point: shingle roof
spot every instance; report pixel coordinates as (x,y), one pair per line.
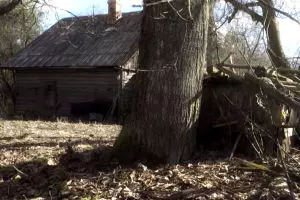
(86,41)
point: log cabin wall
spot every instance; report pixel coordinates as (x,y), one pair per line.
(126,85)
(47,81)
(52,92)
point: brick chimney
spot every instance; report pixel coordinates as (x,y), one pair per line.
(114,11)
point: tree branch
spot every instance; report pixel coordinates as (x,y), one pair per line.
(243,7)
(158,2)
(272,92)
(281,12)
(268,20)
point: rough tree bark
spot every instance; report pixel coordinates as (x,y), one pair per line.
(212,38)
(168,93)
(9,5)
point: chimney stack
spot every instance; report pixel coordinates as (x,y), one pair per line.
(114,11)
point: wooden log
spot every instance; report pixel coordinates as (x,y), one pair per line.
(271,91)
(280,72)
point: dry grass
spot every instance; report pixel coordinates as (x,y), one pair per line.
(22,141)
(34,164)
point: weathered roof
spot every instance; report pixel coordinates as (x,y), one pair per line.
(86,41)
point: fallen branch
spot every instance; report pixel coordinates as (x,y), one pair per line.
(287,176)
(279,70)
(225,124)
(185,193)
(235,145)
(19,171)
(271,91)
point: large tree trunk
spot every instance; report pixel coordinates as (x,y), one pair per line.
(169,85)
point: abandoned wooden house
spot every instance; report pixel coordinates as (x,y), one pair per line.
(77,66)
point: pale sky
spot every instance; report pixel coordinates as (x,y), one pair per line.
(289,31)
(81,7)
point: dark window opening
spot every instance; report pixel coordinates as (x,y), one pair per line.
(50,95)
(85,109)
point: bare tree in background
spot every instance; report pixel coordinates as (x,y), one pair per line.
(267,17)
(19,26)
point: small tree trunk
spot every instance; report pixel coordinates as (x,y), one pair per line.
(271,28)
(168,92)
(212,43)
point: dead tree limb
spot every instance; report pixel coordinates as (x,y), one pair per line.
(287,73)
(285,170)
(283,70)
(267,88)
(271,91)
(244,8)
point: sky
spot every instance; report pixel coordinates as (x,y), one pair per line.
(80,7)
(289,31)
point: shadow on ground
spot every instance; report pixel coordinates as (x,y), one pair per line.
(52,144)
(39,178)
(32,179)
(95,174)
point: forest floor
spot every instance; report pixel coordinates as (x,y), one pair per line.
(35,163)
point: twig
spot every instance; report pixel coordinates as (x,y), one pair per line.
(184,193)
(287,176)
(20,171)
(256,146)
(57,8)
(189,9)
(235,145)
(243,7)
(252,165)
(177,12)
(158,2)
(225,124)
(151,196)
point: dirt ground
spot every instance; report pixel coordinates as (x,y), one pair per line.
(62,160)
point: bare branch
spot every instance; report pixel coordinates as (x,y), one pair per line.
(158,2)
(243,7)
(189,9)
(235,11)
(287,176)
(252,4)
(280,70)
(177,12)
(57,8)
(268,20)
(281,12)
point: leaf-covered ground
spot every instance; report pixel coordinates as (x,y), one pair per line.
(36,163)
